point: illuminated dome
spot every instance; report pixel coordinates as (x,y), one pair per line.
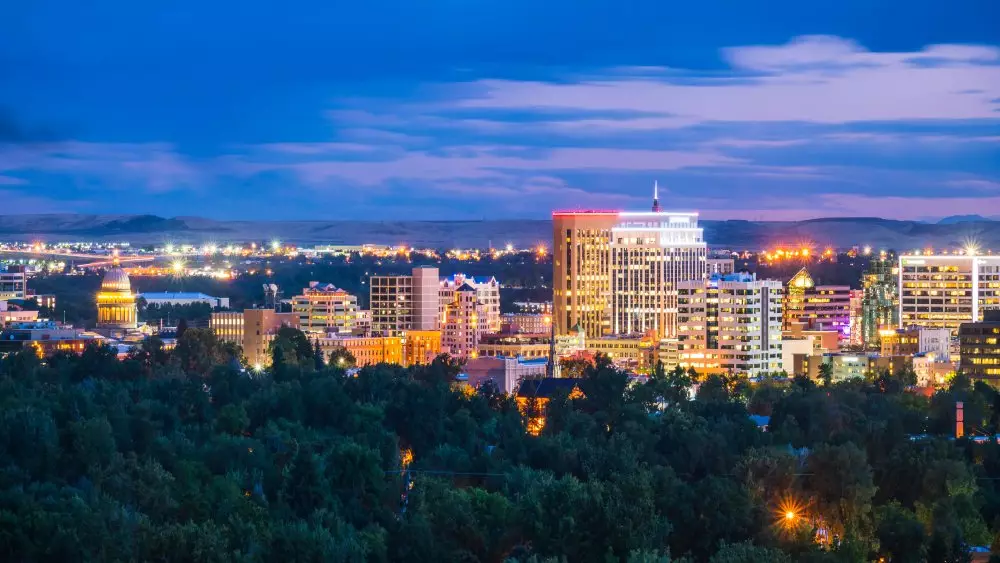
(116,280)
(116,309)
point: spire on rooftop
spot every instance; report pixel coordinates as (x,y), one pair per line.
(656,196)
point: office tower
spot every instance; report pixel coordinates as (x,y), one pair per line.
(945,291)
(581,262)
(463,323)
(650,253)
(880,300)
(487,292)
(323,308)
(721,266)
(614,272)
(13,283)
(730,323)
(404,302)
(817,307)
(979,347)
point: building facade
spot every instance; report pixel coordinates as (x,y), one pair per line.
(916,340)
(515,345)
(526,323)
(581,278)
(650,253)
(730,324)
(323,308)
(253,330)
(13,283)
(184,298)
(506,373)
(487,292)
(817,307)
(979,348)
(463,323)
(944,291)
(880,300)
(407,302)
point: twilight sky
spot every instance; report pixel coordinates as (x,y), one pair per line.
(470,109)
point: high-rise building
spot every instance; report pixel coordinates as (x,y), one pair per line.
(854,332)
(730,323)
(979,347)
(614,272)
(945,291)
(463,323)
(817,307)
(116,308)
(408,302)
(650,253)
(13,283)
(880,300)
(487,292)
(581,279)
(323,308)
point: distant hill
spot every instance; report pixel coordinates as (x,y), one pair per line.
(963,219)
(839,232)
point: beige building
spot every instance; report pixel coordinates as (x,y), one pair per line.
(487,292)
(463,323)
(944,291)
(323,308)
(407,302)
(253,330)
(581,279)
(637,353)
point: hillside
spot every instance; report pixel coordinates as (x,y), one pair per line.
(737,234)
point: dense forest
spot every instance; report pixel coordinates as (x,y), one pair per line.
(182,456)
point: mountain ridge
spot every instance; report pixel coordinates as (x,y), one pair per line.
(839,232)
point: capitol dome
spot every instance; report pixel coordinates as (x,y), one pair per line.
(116,280)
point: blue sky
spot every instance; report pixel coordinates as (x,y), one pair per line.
(471,109)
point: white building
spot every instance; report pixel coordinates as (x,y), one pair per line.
(324,308)
(943,291)
(730,323)
(184,299)
(463,323)
(651,252)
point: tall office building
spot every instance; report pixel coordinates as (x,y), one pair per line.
(487,292)
(581,279)
(614,272)
(253,329)
(880,300)
(407,302)
(650,253)
(944,291)
(730,323)
(817,307)
(323,308)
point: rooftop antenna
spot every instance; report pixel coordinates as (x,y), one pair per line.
(656,196)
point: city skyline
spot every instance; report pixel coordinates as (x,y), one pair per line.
(241,112)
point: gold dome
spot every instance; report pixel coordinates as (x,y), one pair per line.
(116,280)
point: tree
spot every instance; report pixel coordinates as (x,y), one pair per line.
(318,356)
(826,373)
(342,358)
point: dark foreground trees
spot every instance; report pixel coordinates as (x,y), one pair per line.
(180,456)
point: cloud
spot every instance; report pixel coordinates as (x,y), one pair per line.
(151,167)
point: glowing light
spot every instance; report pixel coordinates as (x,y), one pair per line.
(275,245)
(178,266)
(170,249)
(789,515)
(541,249)
(258,368)
(510,247)
(867,250)
(971,249)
